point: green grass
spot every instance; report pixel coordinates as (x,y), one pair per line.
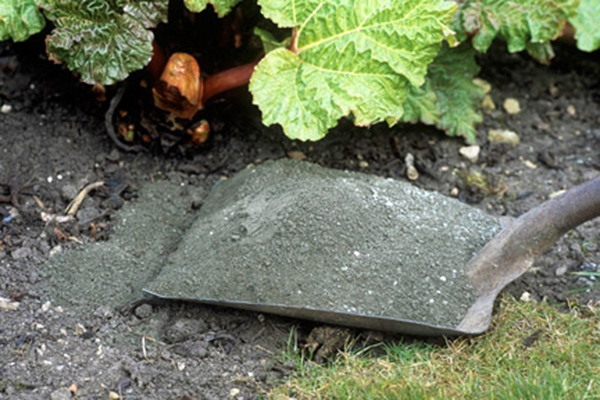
(563,363)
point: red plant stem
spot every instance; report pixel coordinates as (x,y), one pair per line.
(157,63)
(226,80)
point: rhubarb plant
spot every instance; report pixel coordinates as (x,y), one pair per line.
(369,60)
(524,24)
(20,19)
(587,25)
(347,58)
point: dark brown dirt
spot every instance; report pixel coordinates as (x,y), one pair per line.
(53,142)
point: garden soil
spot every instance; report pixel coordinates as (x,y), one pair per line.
(53,142)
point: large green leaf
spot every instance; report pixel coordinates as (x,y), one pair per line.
(20,19)
(222,7)
(587,25)
(518,22)
(449,99)
(348,57)
(103,40)
(148,12)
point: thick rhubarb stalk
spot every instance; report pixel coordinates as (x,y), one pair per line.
(226,80)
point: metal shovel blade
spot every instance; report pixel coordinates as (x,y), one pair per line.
(298,240)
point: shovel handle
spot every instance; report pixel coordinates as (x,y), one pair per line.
(532,234)
(514,249)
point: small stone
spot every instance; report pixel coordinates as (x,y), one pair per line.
(297,155)
(503,136)
(556,194)
(363,164)
(543,126)
(6,108)
(487,103)
(571,110)
(411,172)
(73,388)
(143,311)
(471,153)
(234,392)
(554,91)
(55,250)
(113,396)
(484,85)
(560,271)
(21,253)
(525,297)
(512,106)
(529,164)
(46,306)
(69,191)
(61,394)
(8,305)
(80,330)
(114,155)
(454,192)
(182,329)
(114,201)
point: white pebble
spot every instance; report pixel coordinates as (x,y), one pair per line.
(503,136)
(512,106)
(525,297)
(471,153)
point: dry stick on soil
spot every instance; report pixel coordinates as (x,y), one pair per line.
(512,251)
(74,205)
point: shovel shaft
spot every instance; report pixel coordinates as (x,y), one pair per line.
(532,234)
(512,251)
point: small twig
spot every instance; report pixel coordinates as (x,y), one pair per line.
(74,205)
(144,348)
(40,203)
